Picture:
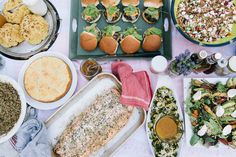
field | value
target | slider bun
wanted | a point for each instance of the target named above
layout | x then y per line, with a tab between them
88	41
153	3
85	3
108	45
128	2
107	3
151	43
130	44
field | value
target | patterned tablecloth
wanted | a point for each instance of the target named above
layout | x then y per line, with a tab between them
137	145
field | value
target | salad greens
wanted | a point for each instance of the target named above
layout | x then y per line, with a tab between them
112	10
93	30
153	12
213	114
153	31
110	30
131	10
132	31
91	12
164	104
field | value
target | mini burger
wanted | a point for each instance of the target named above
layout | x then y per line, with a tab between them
91	14
89	38
151	15
108	3
131	14
153	3
112	14
130	2
85	3
110	37
131	41
152	39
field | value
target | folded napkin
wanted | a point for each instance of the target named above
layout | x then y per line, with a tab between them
31	139
136	89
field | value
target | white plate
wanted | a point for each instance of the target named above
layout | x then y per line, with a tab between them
58	103
164	81
7	136
214	150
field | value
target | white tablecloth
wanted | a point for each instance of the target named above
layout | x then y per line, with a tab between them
137	145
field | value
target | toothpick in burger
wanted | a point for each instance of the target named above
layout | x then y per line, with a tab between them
131	14
108	3
112	14
151	14
91	14
85	3
110	38
90	37
152	39
131	41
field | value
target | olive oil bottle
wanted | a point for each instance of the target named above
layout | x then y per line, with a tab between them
211	62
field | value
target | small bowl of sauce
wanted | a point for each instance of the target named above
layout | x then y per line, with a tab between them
168	129
90	68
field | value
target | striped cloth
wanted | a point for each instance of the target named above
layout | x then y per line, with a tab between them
136	89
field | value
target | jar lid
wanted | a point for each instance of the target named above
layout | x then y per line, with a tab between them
159	64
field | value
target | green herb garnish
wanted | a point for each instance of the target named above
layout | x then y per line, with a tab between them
112	10
92	11
130	10
110	30
93	30
132	31
153	12
153	31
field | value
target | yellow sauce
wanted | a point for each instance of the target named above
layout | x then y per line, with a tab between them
166	128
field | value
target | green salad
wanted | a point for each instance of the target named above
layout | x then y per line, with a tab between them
212	111
164	106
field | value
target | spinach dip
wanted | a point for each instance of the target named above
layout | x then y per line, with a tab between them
10	107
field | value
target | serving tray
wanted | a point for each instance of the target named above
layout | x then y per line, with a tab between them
57	123
164	81
221	149
77	24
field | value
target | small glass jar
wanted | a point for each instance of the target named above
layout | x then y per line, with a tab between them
90	68
171	69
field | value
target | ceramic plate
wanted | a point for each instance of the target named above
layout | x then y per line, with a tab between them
164	81
26	50
215	150
52	105
224	41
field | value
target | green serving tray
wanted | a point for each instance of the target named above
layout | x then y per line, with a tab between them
77	24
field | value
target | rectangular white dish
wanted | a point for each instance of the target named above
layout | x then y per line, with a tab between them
214	150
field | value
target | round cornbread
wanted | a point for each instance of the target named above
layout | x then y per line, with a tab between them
47	79
14	14
10	35
34	29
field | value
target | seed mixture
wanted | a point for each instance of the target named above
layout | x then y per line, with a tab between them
206	20
94	127
10	107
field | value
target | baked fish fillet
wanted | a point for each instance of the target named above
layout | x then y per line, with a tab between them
94	127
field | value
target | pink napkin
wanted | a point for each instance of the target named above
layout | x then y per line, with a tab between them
136	89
